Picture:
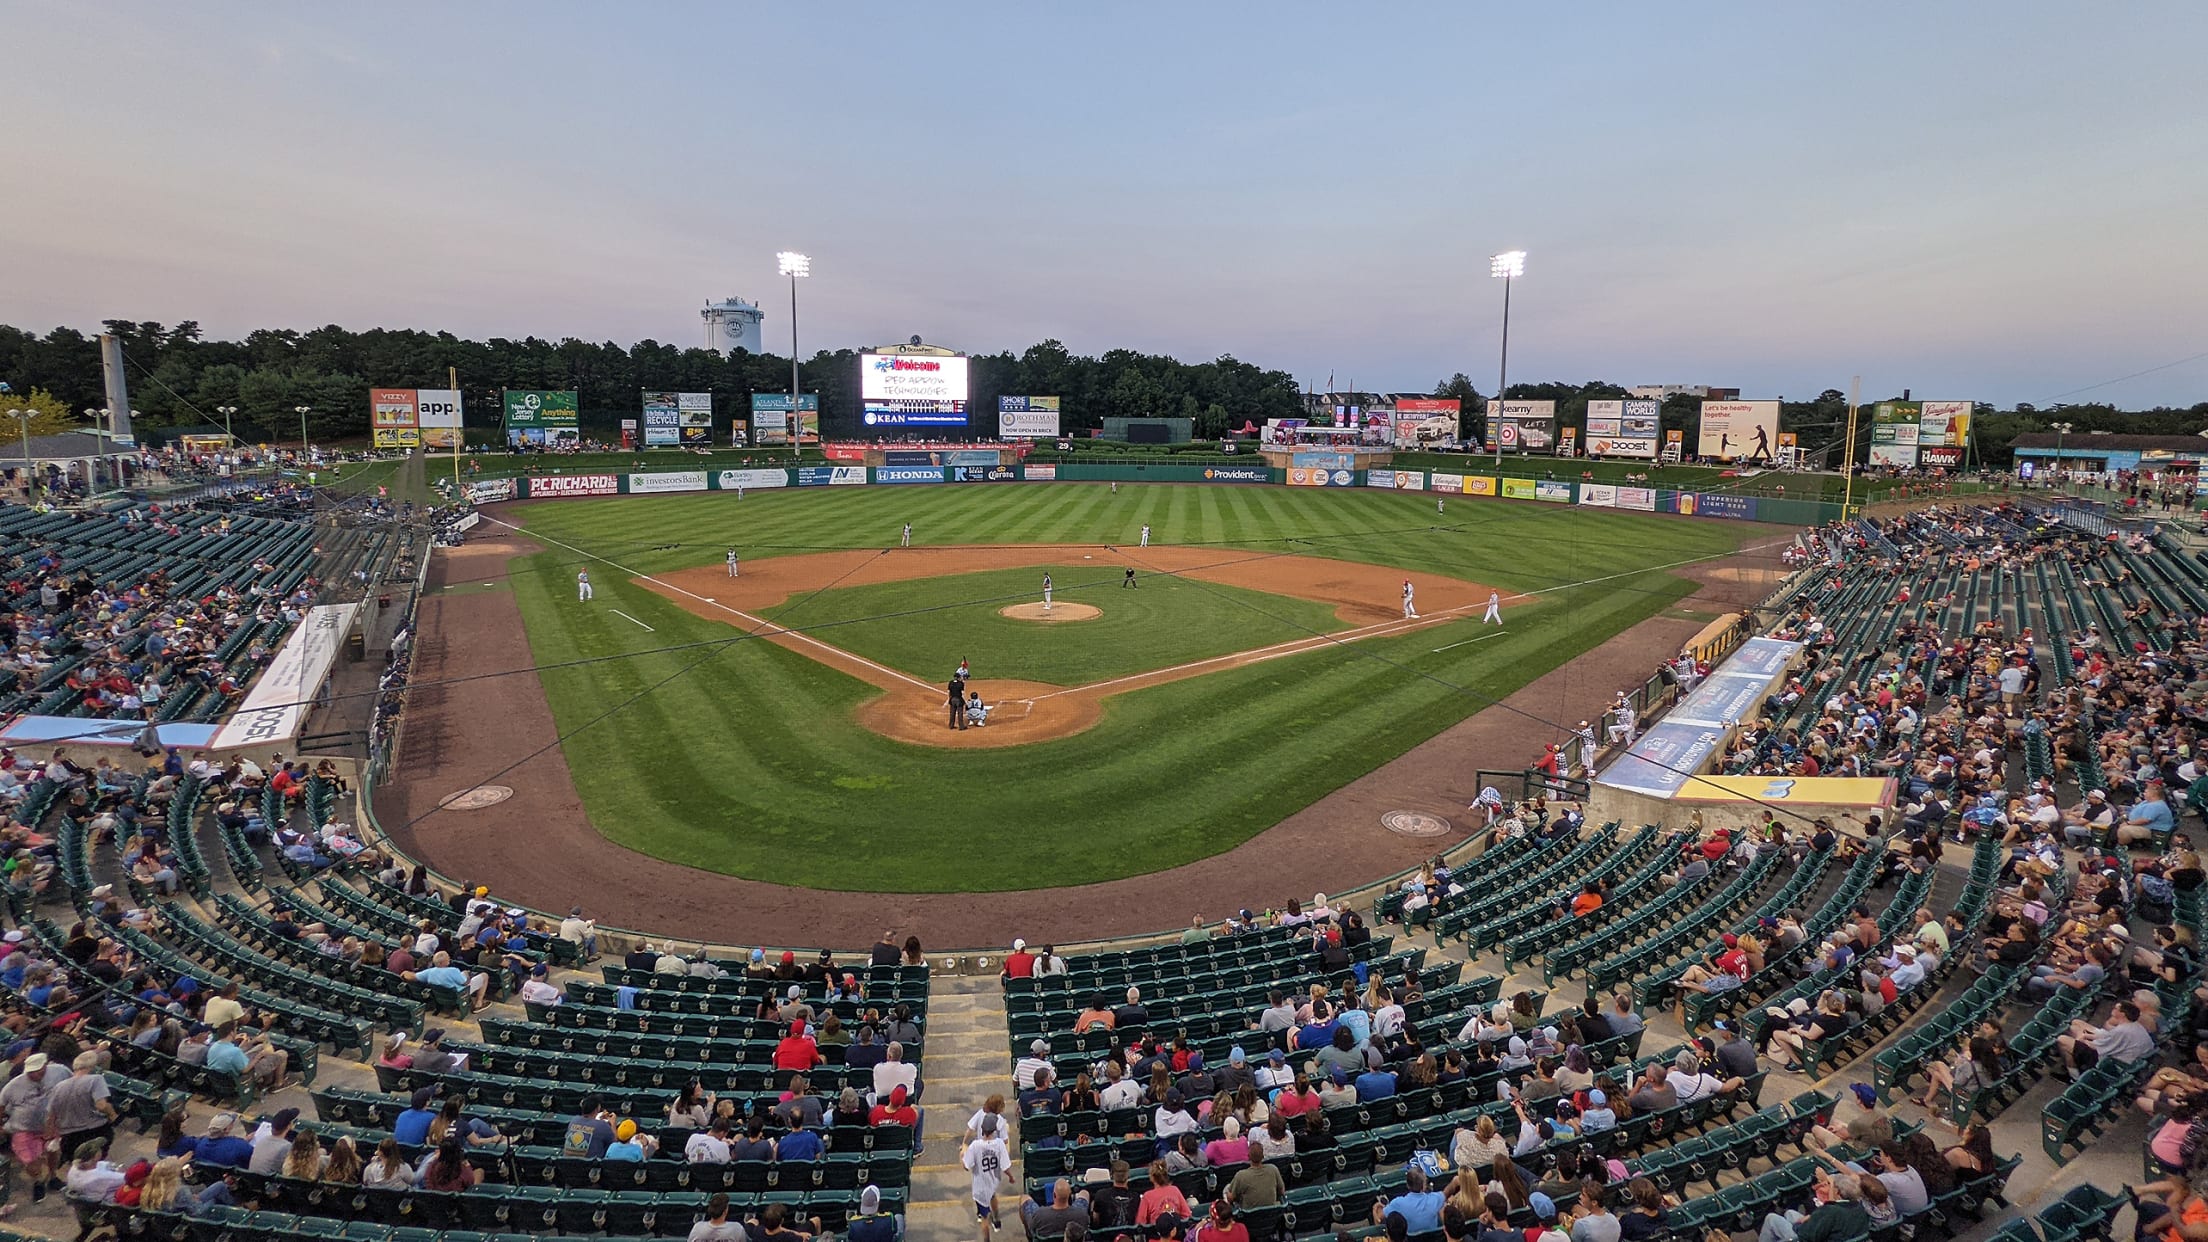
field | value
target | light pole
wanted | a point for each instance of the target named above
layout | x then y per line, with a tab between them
1507	266
24	415
101	419
227	411
2061	430
304	448
793	265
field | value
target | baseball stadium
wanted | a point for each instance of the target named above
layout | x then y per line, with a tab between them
614	849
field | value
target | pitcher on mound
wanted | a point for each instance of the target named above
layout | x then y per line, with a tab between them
1046	592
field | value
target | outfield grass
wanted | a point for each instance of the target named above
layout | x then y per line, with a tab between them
924	626
742	757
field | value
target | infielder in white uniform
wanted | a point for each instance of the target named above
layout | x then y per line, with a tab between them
1046	592
582	585
1146	534
732	562
905	540
1410	605
1494	608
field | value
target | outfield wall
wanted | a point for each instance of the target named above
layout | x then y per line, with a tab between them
1443	485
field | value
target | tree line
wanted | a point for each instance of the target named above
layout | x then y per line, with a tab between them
178	378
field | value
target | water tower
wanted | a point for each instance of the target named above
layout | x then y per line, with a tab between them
732	325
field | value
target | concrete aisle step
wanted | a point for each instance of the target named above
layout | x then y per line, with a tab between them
967	1058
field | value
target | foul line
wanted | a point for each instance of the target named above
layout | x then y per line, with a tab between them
626	617
1469	641
761	627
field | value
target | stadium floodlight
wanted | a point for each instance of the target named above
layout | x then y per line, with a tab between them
793	265
305	450
24	415
1506	267
227	412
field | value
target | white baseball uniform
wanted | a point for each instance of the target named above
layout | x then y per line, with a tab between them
1494	608
1410	605
582	585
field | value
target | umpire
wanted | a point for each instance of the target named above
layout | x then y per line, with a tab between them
958	701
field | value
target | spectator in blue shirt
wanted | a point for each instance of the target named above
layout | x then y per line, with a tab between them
411	1127
1375	1084
2149	821
799	1145
222	1148
631	1144
1419	1207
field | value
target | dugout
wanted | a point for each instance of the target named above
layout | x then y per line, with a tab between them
1150	430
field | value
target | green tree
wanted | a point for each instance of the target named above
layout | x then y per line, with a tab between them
49	414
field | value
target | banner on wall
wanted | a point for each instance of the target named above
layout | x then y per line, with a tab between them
695	410
1041	472
1739	431
574	485
1896	427
1480	485
831	476
668	481
1410	480
985	474
489	491
1381	479
1641	498
1553	491
1944	424
908	474
1319	476
1622	428
1237	474
1600	495
1027	418
738	480
1714	504
1517	489
1453	484
1521	426
662	420
1942	458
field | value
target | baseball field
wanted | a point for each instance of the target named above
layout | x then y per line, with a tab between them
790	725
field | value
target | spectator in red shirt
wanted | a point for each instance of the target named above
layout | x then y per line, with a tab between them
895	1112
796	1051
1019	963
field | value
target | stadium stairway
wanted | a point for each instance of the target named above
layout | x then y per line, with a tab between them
963	1062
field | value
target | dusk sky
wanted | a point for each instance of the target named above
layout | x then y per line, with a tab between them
2005	202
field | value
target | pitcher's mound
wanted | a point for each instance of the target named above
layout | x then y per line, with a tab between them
1057	612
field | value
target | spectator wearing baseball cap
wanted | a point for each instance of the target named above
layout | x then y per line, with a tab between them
1019	963
272	1143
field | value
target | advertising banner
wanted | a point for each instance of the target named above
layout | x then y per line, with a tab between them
1027	418
1739	430
739	433
696	412
1661	761
1567	442
540	418
1318	476
1324	461
1896	427
1622	428
1381	479
753	480
1724	698
985	474
831	476
1426	420
488	491
1600	495
1480	485
908	474
278	702
1553	491
1763	656
669	481
970	457
1517	489
1715	504
1237	474
1041	472
574	485
1641	498
1944	424
1941	458
1410	480
391	418
662	420
845	452
1523	426
1860	791
438	412
770	416
1453	484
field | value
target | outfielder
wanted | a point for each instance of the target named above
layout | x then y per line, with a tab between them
1439	504
1410	604
905	540
1146	534
1494	608
732	562
1046	592
582	585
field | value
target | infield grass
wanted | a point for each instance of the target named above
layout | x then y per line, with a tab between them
697	745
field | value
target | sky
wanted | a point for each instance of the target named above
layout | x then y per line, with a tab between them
1994	201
